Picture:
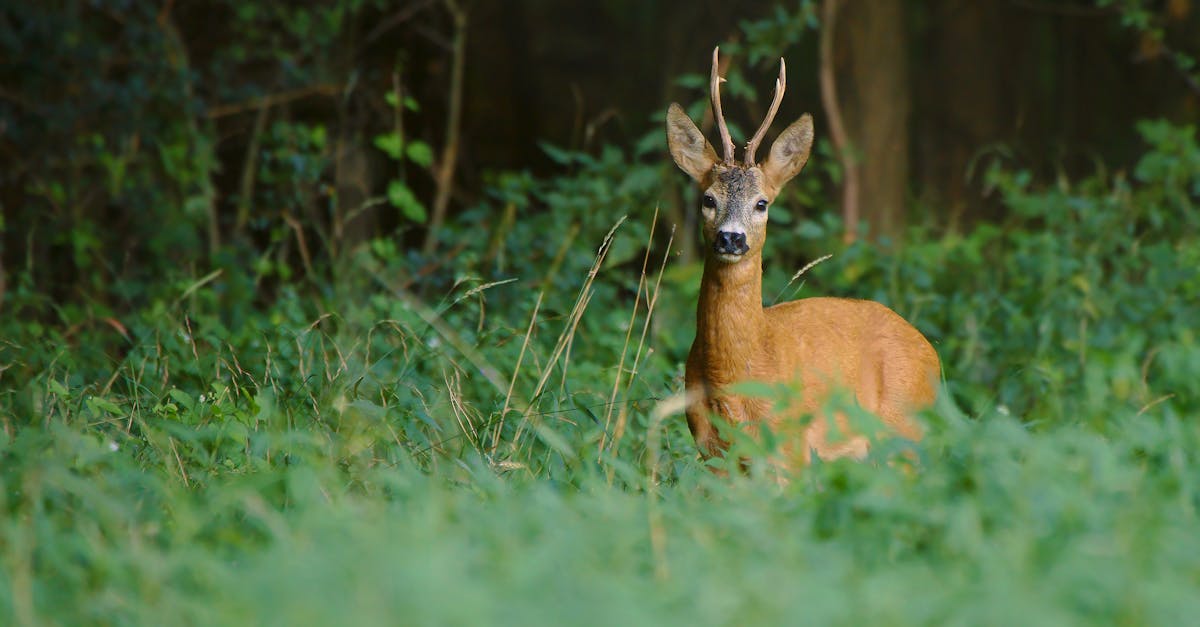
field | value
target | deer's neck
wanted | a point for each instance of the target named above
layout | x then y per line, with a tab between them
730	323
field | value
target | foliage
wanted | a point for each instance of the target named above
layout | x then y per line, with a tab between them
267	427
334	458
1152	27
1086	287
116	127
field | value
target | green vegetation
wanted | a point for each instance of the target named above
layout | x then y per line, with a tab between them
221	405
342	459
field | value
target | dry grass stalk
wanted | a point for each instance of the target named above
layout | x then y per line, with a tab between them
568	334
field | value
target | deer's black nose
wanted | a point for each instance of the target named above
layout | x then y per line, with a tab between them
729	243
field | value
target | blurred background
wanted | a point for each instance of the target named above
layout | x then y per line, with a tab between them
139	139
358	160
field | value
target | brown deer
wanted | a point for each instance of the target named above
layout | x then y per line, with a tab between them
823	344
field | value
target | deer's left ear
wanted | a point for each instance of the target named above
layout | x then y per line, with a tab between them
790	152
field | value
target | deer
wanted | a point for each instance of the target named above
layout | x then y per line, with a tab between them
825	345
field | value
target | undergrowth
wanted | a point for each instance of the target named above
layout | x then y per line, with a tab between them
368	452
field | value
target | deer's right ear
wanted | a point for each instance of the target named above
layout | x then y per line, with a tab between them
692	153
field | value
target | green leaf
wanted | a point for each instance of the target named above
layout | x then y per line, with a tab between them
624	248
419	153
556	154
390	143
318	136
106	405
181	397
551	438
584	401
692	81
651	142
403	199
410	103
56	388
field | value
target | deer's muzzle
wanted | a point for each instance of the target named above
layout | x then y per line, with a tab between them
730	243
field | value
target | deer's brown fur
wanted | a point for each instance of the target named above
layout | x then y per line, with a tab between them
822	344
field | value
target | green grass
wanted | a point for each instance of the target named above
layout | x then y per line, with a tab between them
999	525
360	452
318	483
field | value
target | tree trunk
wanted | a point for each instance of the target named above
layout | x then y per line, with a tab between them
964	99
872	64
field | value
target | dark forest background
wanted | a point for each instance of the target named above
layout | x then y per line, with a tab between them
137	138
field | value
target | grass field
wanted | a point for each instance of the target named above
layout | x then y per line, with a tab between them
367	452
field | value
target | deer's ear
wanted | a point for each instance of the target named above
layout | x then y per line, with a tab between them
692	153
790	152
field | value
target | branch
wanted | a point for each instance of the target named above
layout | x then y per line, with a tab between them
271	100
249	172
394	20
837	130
1177	62
445	177
20	101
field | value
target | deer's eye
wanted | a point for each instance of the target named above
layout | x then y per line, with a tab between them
761	205
710	201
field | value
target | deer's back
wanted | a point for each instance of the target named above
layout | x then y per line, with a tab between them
857	343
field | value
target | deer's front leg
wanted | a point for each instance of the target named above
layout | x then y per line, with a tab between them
701	426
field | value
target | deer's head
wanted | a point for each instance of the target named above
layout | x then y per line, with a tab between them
735	196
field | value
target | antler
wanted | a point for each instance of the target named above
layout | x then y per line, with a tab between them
726	141
780	84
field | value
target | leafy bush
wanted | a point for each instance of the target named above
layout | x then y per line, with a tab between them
391	456
1083	299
